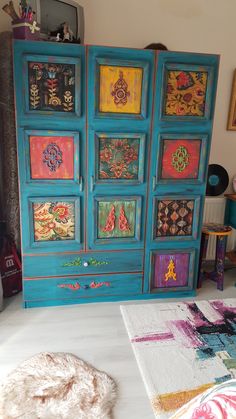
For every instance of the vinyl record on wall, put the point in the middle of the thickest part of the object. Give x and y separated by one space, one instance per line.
217 180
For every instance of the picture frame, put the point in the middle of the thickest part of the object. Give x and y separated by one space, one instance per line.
232 108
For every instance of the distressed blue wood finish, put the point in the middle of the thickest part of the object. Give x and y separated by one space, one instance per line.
109 298
52 123
165 126
83 263
125 125
81 287
126 264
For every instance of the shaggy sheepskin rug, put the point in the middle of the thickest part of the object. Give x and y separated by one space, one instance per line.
56 385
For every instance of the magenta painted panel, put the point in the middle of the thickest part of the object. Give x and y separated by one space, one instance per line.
171 270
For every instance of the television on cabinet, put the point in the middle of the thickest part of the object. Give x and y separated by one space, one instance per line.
51 13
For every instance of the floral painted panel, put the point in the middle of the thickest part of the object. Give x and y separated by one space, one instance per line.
51 87
116 219
174 217
186 93
51 157
180 159
54 221
171 270
118 158
120 89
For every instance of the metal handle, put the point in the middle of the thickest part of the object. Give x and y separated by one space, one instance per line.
91 183
81 183
153 183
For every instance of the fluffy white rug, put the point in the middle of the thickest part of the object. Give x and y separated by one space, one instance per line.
56 386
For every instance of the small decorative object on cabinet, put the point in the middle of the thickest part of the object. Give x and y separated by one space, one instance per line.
113 147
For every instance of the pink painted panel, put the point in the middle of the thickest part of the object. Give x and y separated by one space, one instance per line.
51 157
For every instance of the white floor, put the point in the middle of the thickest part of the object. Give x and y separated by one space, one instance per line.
93 332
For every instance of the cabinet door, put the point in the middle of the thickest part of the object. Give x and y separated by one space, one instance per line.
50 98
119 119
183 117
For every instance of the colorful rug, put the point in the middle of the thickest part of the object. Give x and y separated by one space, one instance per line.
182 348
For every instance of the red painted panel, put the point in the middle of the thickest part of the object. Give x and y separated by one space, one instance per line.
190 167
40 157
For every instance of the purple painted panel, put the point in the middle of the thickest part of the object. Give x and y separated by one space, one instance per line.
171 270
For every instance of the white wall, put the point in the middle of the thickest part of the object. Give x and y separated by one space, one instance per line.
183 25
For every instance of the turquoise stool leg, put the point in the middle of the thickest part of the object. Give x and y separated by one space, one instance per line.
220 261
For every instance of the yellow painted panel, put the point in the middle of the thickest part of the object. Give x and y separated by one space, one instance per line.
120 89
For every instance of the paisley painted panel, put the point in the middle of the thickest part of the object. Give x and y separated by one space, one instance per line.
180 159
174 217
119 158
51 87
171 270
116 218
186 93
54 220
120 89
51 157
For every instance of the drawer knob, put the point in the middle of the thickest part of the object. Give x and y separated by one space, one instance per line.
85 264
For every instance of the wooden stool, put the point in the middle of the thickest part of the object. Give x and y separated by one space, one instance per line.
221 232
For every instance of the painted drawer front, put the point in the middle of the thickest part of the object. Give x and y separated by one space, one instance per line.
76 288
83 263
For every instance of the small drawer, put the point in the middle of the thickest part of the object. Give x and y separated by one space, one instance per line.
82 263
59 289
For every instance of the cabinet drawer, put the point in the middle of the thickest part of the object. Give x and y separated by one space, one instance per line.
58 289
82 263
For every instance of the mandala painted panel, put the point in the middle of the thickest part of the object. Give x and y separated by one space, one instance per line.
171 270
51 157
180 159
119 158
54 220
51 87
186 93
120 89
116 219
174 218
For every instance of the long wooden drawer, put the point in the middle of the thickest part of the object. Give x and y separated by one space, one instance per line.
82 263
58 290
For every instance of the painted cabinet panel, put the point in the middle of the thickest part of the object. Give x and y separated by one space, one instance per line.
53 84
181 158
119 158
51 156
182 127
119 126
113 147
172 270
176 216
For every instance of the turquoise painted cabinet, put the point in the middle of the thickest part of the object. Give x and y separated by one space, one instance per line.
113 147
